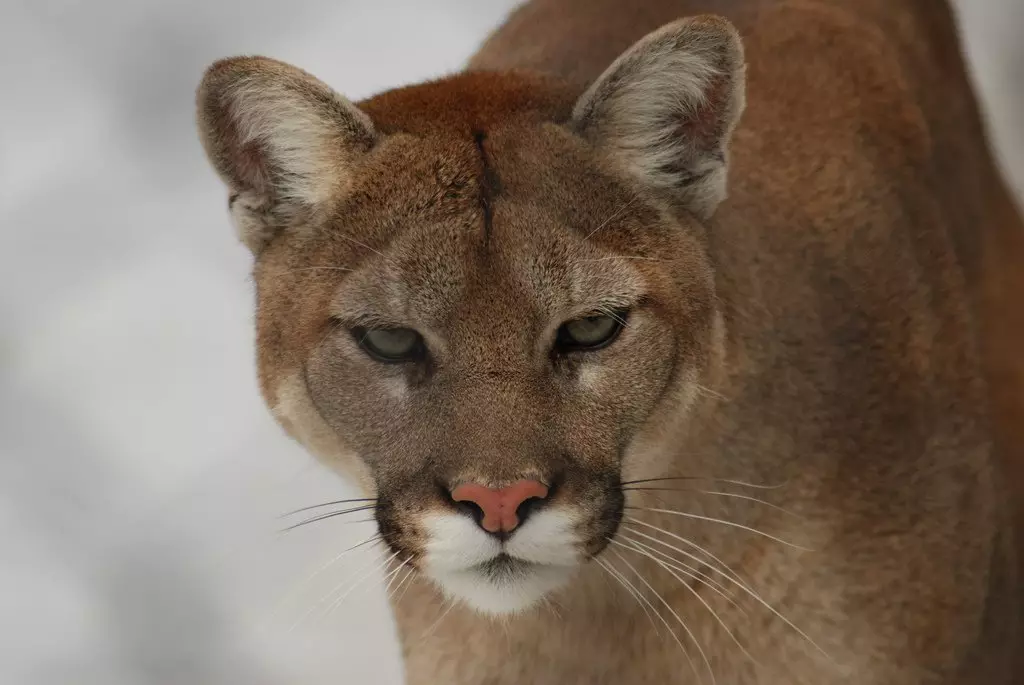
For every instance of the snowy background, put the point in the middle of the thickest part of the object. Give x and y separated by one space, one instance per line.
141 479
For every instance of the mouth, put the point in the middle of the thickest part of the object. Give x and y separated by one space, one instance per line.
503 584
504 568
506 574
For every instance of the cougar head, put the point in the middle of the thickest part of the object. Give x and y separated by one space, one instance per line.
478 296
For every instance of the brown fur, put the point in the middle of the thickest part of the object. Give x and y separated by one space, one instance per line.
844 325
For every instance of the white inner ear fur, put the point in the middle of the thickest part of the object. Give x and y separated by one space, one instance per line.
284 142
299 135
666 108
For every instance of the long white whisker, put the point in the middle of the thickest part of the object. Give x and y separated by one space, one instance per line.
743 586
393 595
695 594
622 256
672 611
433 627
613 316
727 481
727 569
632 591
613 216
376 569
408 583
723 522
364 245
391 577
711 393
315 268
683 567
734 495
373 541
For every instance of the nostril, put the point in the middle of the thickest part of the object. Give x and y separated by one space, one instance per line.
527 507
471 508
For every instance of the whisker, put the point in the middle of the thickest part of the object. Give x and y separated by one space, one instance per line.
550 606
711 519
734 495
409 570
332 514
433 627
363 245
373 541
676 615
405 585
391 576
740 584
328 504
711 393
632 591
373 562
376 569
691 571
613 316
702 562
622 256
728 570
316 268
727 481
695 594
613 216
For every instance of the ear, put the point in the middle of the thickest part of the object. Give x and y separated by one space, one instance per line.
667 107
283 142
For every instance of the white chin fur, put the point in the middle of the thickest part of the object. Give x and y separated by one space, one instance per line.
456 548
508 594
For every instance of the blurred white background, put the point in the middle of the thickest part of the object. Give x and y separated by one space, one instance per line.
140 476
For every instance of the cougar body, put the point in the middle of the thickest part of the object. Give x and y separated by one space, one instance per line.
796 455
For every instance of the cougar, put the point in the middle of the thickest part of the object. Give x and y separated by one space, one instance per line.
670 342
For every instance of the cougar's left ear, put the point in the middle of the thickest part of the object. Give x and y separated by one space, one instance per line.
283 142
667 107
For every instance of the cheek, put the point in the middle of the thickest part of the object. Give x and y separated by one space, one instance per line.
295 411
370 407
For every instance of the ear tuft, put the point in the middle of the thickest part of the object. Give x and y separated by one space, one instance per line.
283 141
666 109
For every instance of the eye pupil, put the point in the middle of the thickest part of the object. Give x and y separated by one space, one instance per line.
589 333
390 344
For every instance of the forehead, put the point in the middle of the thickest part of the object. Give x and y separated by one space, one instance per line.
477 194
518 219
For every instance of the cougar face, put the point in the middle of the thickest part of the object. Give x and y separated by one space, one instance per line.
476 310
492 344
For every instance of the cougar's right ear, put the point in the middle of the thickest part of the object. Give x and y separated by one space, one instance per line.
666 110
283 142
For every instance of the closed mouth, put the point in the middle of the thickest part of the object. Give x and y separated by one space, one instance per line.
505 567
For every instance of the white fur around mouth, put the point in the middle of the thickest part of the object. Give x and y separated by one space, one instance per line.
473 566
509 590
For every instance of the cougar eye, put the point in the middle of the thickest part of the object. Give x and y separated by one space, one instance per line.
390 344
589 333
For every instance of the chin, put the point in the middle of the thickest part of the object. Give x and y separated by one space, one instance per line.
503 586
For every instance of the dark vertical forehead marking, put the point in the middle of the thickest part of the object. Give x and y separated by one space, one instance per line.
490 184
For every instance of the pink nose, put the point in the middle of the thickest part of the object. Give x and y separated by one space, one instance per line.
500 507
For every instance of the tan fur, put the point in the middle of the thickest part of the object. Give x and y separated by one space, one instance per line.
844 326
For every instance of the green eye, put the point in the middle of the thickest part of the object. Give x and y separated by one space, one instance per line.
390 344
589 333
